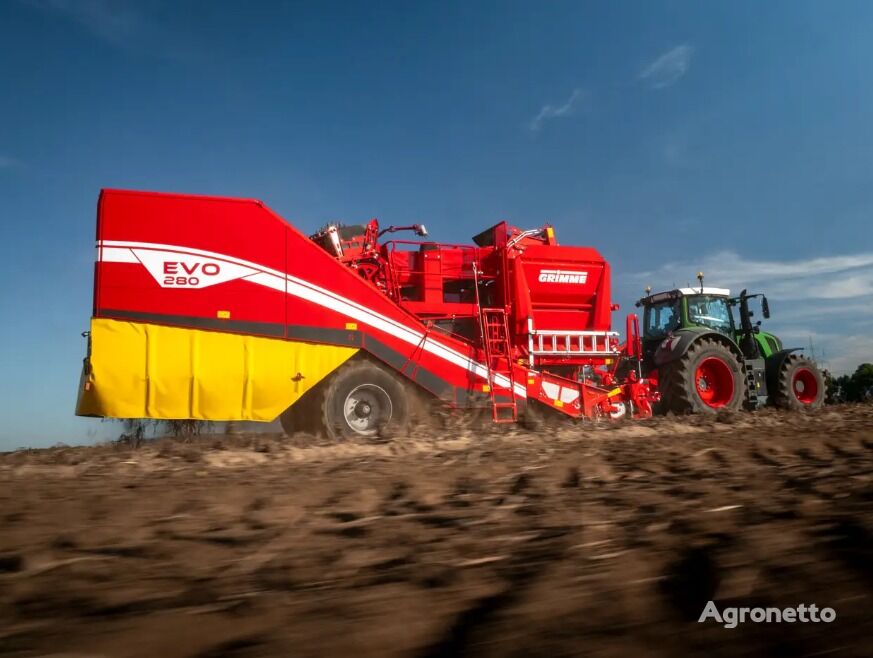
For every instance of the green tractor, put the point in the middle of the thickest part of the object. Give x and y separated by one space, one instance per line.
706 360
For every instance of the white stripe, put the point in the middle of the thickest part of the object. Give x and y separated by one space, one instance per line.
116 255
238 261
120 252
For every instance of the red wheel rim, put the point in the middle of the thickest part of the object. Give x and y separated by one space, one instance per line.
805 385
715 382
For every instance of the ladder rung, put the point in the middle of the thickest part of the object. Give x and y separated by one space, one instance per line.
495 334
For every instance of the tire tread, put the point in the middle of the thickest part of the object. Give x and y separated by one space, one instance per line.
783 396
677 382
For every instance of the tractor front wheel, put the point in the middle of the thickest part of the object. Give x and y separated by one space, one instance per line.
799 384
708 378
364 401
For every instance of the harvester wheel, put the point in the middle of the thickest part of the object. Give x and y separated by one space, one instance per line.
708 378
364 401
799 384
302 415
290 420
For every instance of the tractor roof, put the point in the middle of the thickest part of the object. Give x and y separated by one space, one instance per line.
683 292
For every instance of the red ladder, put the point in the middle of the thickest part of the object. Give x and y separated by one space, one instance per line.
498 360
494 332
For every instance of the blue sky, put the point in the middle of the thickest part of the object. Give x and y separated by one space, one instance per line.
733 137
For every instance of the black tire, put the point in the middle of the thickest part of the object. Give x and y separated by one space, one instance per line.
708 378
800 385
290 421
302 416
363 401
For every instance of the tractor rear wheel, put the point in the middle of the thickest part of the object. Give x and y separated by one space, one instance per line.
799 384
364 401
708 378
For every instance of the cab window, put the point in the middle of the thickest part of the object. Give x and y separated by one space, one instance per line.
712 312
661 319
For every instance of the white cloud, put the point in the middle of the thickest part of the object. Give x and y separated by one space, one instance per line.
859 310
829 277
112 21
840 354
548 112
7 162
125 24
674 149
849 353
668 68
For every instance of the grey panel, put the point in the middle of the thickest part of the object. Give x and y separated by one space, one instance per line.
259 328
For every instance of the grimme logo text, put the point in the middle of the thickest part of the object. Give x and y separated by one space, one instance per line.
802 614
180 273
562 276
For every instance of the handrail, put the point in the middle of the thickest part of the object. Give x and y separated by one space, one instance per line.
525 234
557 342
572 332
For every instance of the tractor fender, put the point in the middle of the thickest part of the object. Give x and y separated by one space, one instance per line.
773 365
676 345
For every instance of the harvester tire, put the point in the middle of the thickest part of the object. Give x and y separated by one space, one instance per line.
708 378
800 385
364 401
302 416
290 420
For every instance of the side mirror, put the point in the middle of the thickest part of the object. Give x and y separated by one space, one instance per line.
765 308
420 230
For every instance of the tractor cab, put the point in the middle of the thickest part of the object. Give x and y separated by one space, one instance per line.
708 309
691 309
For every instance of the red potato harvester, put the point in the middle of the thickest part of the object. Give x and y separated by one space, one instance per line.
218 309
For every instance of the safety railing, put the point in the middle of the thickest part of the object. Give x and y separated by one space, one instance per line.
557 342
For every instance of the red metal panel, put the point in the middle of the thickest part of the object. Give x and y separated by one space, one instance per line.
254 273
231 227
563 287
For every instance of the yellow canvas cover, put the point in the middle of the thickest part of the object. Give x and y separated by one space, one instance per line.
142 370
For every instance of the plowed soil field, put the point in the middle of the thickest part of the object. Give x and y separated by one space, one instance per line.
586 540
